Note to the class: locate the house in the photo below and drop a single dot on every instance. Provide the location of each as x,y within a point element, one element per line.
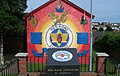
<point>105,23</point>
<point>96,26</point>
<point>58,24</point>
<point>95,23</point>
<point>115,26</point>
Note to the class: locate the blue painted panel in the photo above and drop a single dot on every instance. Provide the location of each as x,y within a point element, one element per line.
<point>45,50</point>
<point>80,54</point>
<point>40,54</point>
<point>36,37</point>
<point>37,54</point>
<point>82,38</point>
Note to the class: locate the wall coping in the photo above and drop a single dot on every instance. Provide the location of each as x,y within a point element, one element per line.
<point>102,54</point>
<point>21,55</point>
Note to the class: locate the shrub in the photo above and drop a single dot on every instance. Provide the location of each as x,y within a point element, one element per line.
<point>109,43</point>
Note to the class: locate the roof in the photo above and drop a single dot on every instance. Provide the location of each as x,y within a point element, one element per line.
<point>66,1</point>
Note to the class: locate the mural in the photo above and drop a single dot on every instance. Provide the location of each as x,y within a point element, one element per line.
<point>58,24</point>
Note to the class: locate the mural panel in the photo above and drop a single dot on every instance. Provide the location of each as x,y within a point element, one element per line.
<point>58,25</point>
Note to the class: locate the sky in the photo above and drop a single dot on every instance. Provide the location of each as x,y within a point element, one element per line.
<point>103,10</point>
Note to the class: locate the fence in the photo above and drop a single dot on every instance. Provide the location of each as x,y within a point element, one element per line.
<point>112,67</point>
<point>38,64</point>
<point>10,69</point>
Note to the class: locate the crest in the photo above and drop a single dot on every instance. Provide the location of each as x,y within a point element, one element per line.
<point>62,56</point>
<point>59,36</point>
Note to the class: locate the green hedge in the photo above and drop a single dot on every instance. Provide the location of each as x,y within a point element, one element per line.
<point>109,43</point>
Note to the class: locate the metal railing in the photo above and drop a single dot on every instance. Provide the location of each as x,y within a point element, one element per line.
<point>38,64</point>
<point>10,69</point>
<point>85,66</point>
<point>112,67</point>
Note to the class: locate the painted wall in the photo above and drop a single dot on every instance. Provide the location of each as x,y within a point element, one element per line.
<point>51,28</point>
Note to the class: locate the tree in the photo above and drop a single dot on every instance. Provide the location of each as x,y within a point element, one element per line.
<point>109,43</point>
<point>101,29</point>
<point>102,23</point>
<point>108,28</point>
<point>94,28</point>
<point>11,19</point>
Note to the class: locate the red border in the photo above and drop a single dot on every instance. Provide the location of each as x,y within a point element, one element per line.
<point>66,1</point>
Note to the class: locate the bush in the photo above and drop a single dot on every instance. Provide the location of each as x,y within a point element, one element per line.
<point>109,43</point>
<point>101,29</point>
<point>108,28</point>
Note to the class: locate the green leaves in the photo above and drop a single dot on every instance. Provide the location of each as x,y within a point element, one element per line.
<point>108,28</point>
<point>108,43</point>
<point>11,15</point>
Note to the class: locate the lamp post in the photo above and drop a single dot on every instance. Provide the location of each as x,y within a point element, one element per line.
<point>91,34</point>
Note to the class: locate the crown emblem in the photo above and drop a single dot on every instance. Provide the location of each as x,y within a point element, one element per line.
<point>59,8</point>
